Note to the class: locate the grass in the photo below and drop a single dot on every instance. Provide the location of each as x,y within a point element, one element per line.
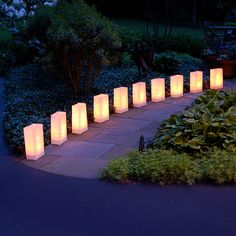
<point>140,26</point>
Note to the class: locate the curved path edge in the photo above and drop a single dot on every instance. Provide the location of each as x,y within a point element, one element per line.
<point>85,155</point>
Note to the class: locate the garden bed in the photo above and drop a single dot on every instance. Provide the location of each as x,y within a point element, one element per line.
<point>32,95</point>
<point>196,145</point>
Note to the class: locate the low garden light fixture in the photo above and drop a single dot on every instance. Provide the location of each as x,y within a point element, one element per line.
<point>34,143</point>
<point>176,86</point>
<point>139,94</point>
<point>121,99</point>
<point>58,128</point>
<point>101,108</point>
<point>158,89</point>
<point>196,81</point>
<point>216,78</point>
<point>79,118</point>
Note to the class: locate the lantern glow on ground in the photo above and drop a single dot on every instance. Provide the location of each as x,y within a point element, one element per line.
<point>121,99</point>
<point>58,128</point>
<point>196,81</point>
<point>158,89</point>
<point>79,118</point>
<point>216,78</point>
<point>101,108</point>
<point>34,143</point>
<point>139,94</point>
<point>176,86</point>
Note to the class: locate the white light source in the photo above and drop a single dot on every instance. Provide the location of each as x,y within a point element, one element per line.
<point>158,89</point>
<point>216,78</point>
<point>176,86</point>
<point>196,81</point>
<point>79,118</point>
<point>34,143</point>
<point>139,94</point>
<point>121,99</point>
<point>58,128</point>
<point>101,108</point>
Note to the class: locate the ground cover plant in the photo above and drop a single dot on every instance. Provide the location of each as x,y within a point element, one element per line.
<point>196,145</point>
<point>168,167</point>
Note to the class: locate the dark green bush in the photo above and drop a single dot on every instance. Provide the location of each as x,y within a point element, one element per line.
<point>7,58</point>
<point>165,64</point>
<point>209,123</point>
<point>168,167</point>
<point>184,43</point>
<point>78,40</point>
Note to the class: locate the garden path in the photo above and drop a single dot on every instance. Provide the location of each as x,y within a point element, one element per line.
<point>86,154</point>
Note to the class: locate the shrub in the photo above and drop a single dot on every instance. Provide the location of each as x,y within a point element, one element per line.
<point>7,58</point>
<point>166,64</point>
<point>184,43</point>
<point>168,167</point>
<point>220,168</point>
<point>162,167</point>
<point>209,123</point>
<point>78,41</point>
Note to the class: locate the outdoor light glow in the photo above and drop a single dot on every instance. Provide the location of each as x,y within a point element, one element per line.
<point>139,94</point>
<point>58,128</point>
<point>158,89</point>
<point>196,81</point>
<point>101,108</point>
<point>121,99</point>
<point>176,86</point>
<point>216,78</point>
<point>34,143</point>
<point>79,118</point>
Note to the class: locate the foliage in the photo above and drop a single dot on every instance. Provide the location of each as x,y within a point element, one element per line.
<point>6,56</point>
<point>165,64</point>
<point>78,42</point>
<point>220,168</point>
<point>168,167</point>
<point>184,43</point>
<point>163,167</point>
<point>209,123</point>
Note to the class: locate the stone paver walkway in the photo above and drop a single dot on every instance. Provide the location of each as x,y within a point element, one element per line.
<point>86,154</point>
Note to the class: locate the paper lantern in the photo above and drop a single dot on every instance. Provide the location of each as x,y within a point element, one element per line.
<point>101,108</point>
<point>216,78</point>
<point>58,128</point>
<point>176,86</point>
<point>158,89</point>
<point>139,94</point>
<point>196,80</point>
<point>79,118</point>
<point>121,99</point>
<point>34,143</point>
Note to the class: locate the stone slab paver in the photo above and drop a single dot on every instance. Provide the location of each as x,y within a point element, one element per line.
<point>86,154</point>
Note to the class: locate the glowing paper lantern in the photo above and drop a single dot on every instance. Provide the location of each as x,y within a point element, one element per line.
<point>101,108</point>
<point>158,89</point>
<point>139,94</point>
<point>58,128</point>
<point>216,78</point>
<point>196,80</point>
<point>79,118</point>
<point>34,143</point>
<point>176,86</point>
<point>121,99</point>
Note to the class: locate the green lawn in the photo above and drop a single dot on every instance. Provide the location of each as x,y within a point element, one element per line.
<point>140,26</point>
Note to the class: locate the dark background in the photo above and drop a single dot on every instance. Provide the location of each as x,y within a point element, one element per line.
<point>188,11</point>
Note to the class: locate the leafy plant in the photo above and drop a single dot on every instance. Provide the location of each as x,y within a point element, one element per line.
<point>208,124</point>
<point>162,167</point>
